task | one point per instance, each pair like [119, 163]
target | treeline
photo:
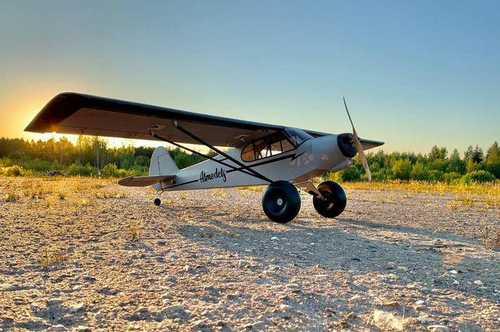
[436, 166]
[91, 156]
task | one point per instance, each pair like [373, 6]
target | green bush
[80, 170]
[112, 171]
[451, 177]
[435, 175]
[419, 172]
[40, 166]
[480, 176]
[402, 169]
[14, 170]
[351, 174]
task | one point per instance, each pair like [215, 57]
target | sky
[415, 73]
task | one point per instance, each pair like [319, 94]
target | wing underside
[80, 114]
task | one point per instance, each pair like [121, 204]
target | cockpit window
[297, 136]
[266, 147]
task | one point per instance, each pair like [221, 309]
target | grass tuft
[11, 197]
[135, 230]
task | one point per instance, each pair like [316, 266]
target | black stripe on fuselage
[180, 184]
[291, 156]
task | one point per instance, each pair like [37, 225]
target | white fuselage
[312, 158]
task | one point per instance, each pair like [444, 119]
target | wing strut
[244, 169]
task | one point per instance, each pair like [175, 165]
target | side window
[287, 146]
[265, 148]
[248, 153]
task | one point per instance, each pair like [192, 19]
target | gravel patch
[211, 261]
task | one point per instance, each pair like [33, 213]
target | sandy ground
[87, 255]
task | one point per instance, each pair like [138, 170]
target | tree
[455, 163]
[402, 169]
[438, 153]
[492, 161]
[477, 155]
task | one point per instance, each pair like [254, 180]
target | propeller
[358, 145]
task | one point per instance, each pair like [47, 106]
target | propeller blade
[357, 143]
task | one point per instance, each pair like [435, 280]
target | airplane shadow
[302, 245]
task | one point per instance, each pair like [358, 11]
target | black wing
[80, 114]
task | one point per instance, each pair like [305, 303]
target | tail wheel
[333, 202]
[281, 202]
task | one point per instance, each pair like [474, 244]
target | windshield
[297, 136]
[266, 147]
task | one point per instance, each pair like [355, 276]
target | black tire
[335, 199]
[157, 201]
[281, 202]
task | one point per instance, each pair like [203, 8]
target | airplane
[283, 158]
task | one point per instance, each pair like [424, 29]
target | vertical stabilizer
[161, 163]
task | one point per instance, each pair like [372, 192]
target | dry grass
[70, 189]
[11, 197]
[490, 189]
[135, 230]
[387, 321]
[51, 256]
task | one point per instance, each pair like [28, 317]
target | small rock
[284, 307]
[424, 319]
[294, 288]
[257, 326]
[392, 276]
[161, 242]
[419, 302]
[438, 328]
[76, 307]
[57, 328]
[478, 282]
[453, 271]
[274, 238]
[107, 291]
[391, 304]
[83, 328]
[177, 311]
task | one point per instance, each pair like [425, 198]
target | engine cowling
[346, 145]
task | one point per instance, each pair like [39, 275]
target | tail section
[162, 170]
[161, 163]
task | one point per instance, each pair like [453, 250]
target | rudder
[162, 163]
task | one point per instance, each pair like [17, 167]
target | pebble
[478, 282]
[438, 328]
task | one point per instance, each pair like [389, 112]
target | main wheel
[333, 201]
[157, 201]
[281, 202]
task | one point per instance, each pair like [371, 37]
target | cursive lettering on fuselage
[218, 173]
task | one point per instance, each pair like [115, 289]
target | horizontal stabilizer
[144, 181]
[369, 144]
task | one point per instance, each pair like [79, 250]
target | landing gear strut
[157, 201]
[332, 201]
[281, 202]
